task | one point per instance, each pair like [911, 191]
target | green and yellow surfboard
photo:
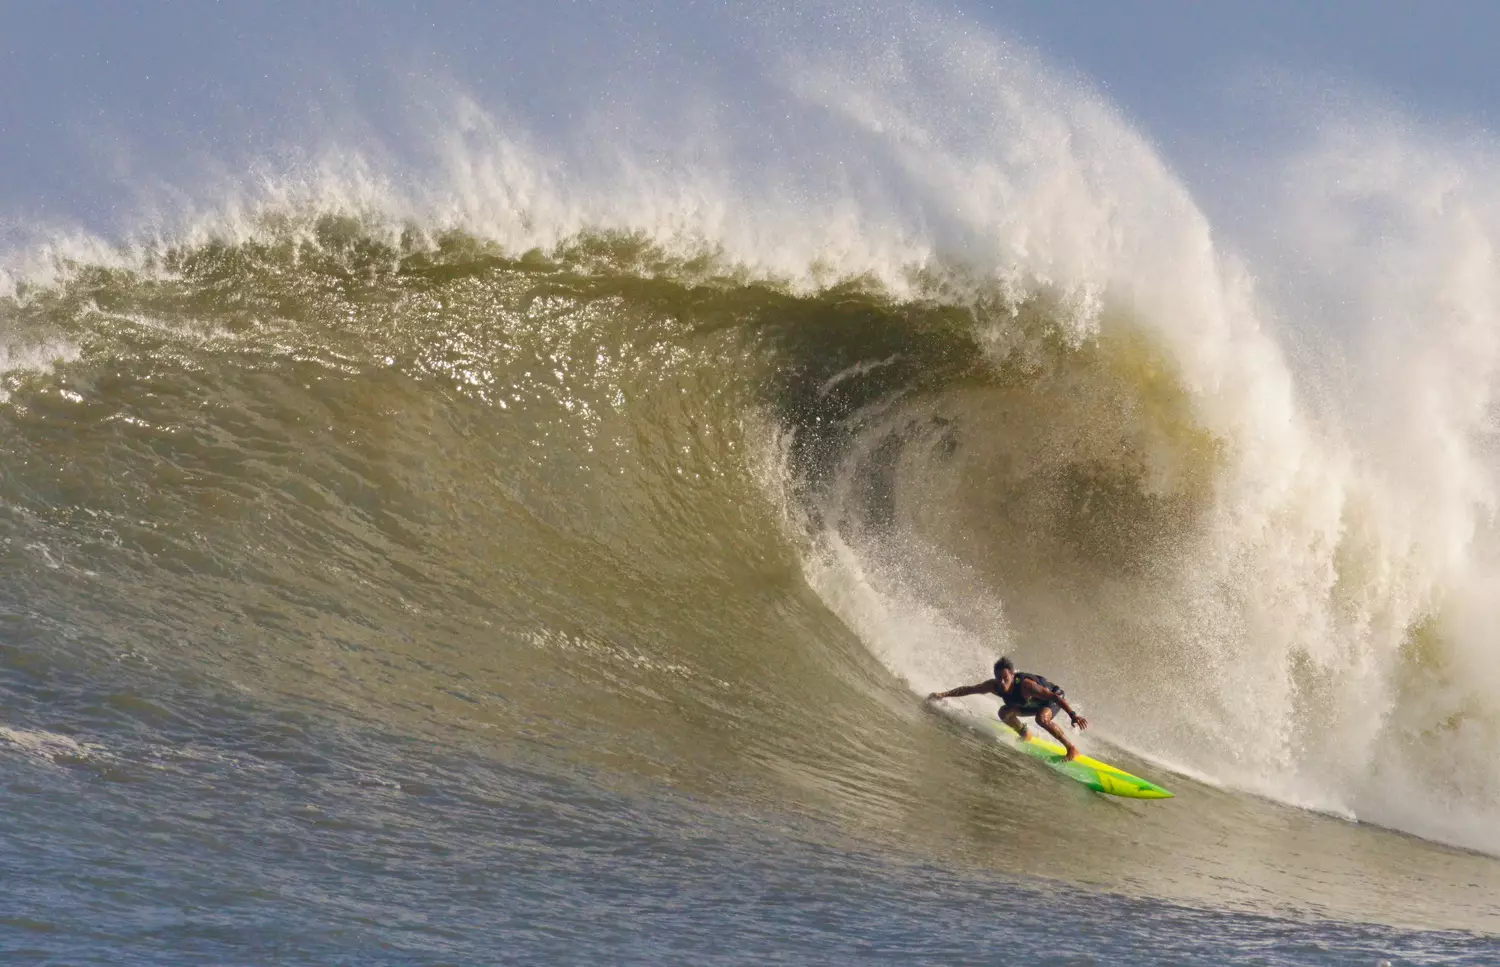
[1099, 776]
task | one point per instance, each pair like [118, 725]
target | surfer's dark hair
[1004, 665]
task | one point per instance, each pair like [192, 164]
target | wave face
[699, 459]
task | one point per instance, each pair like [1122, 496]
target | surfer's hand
[1080, 723]
[933, 697]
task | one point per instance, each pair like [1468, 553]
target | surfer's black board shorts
[1057, 710]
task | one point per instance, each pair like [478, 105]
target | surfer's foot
[1072, 753]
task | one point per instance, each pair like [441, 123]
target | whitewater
[527, 531]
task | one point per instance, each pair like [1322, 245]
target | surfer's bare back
[1023, 694]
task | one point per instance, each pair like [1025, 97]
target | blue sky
[95, 93]
[1163, 60]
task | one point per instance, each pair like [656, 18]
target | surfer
[1023, 694]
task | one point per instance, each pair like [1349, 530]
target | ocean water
[534, 547]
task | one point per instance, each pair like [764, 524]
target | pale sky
[94, 93]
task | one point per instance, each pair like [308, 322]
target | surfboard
[1098, 776]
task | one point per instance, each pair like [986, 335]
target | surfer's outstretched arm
[983, 688]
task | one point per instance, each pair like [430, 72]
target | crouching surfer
[1024, 694]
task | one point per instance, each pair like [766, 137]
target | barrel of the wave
[1099, 776]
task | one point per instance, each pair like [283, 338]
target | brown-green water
[379, 599]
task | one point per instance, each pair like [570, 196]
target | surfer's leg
[1009, 717]
[1044, 719]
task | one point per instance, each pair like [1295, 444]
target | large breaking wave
[1000, 381]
